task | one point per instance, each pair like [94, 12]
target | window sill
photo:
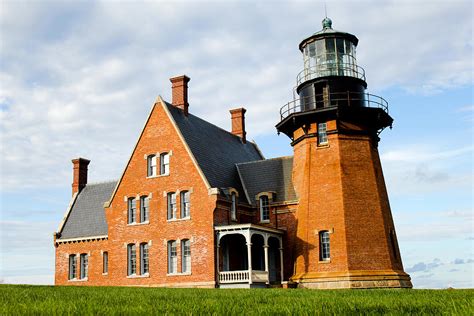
[179, 219]
[138, 276]
[178, 274]
[138, 224]
[267, 221]
[322, 146]
[324, 261]
[105, 274]
[79, 280]
[158, 176]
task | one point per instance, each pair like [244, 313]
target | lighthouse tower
[345, 235]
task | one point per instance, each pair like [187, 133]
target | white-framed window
[105, 262]
[324, 250]
[233, 206]
[171, 197]
[151, 165]
[164, 163]
[185, 256]
[322, 134]
[172, 257]
[144, 263]
[185, 204]
[131, 259]
[72, 267]
[84, 265]
[144, 209]
[132, 210]
[264, 208]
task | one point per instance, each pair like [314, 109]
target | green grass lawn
[29, 299]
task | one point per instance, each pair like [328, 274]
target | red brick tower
[345, 234]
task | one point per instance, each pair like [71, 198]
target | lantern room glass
[330, 57]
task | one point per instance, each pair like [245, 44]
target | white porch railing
[242, 276]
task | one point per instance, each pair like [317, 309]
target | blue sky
[78, 79]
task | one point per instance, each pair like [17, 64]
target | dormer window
[264, 208]
[164, 164]
[233, 206]
[151, 166]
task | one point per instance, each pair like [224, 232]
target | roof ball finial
[327, 23]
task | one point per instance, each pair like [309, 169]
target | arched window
[185, 204]
[185, 256]
[264, 209]
[144, 263]
[324, 250]
[131, 259]
[233, 207]
[172, 257]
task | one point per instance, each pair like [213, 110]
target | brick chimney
[79, 179]
[179, 88]
[238, 123]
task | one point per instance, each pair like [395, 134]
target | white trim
[82, 238]
[180, 135]
[68, 211]
[248, 226]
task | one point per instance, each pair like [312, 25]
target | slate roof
[217, 151]
[268, 175]
[87, 216]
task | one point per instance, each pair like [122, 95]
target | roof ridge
[102, 182]
[214, 125]
[264, 160]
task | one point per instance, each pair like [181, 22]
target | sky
[78, 78]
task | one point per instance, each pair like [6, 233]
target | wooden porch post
[249, 258]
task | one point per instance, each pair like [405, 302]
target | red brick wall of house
[158, 136]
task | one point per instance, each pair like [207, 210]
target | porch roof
[240, 227]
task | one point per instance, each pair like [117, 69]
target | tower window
[324, 254]
[131, 259]
[164, 164]
[233, 207]
[72, 267]
[172, 257]
[151, 165]
[185, 204]
[84, 265]
[144, 209]
[322, 134]
[171, 205]
[132, 210]
[144, 264]
[264, 209]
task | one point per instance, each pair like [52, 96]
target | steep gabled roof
[268, 175]
[216, 151]
[87, 216]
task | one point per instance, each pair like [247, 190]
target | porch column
[265, 250]
[249, 258]
[217, 258]
[281, 262]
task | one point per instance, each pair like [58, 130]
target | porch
[249, 255]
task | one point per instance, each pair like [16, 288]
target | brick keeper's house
[199, 206]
